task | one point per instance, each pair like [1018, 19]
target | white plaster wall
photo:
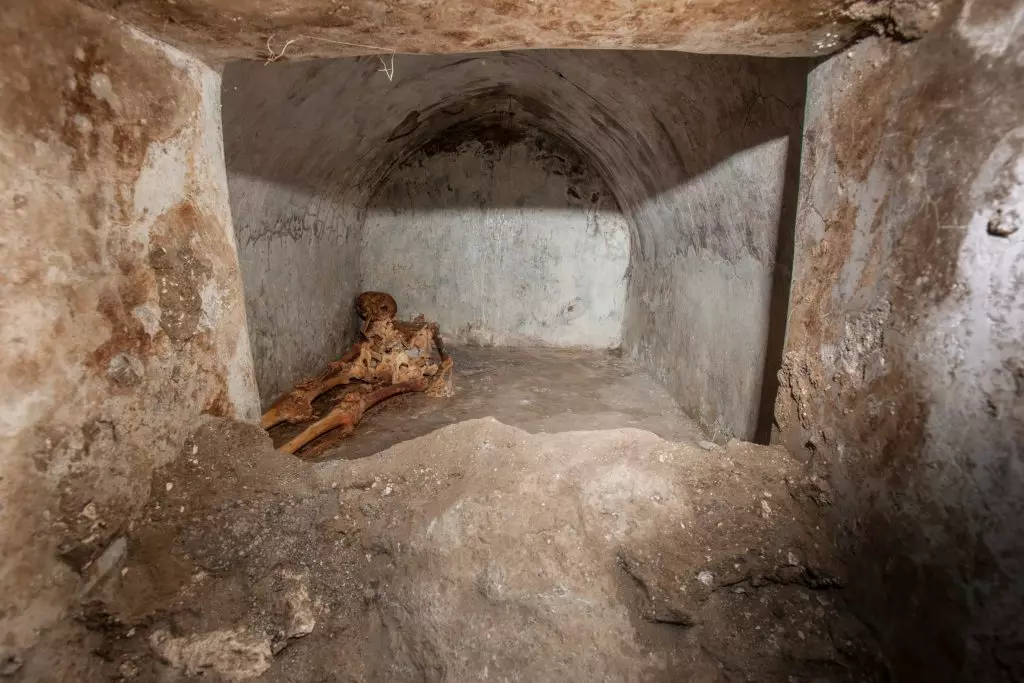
[502, 245]
[300, 265]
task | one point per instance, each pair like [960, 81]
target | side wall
[121, 315]
[299, 250]
[904, 367]
[707, 300]
[502, 241]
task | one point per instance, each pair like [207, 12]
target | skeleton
[395, 357]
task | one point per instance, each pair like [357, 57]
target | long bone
[350, 411]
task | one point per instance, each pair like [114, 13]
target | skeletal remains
[394, 357]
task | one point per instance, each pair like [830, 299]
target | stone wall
[222, 30]
[121, 313]
[903, 375]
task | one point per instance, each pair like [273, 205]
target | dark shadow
[782, 279]
[309, 124]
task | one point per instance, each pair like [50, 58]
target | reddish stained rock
[239, 29]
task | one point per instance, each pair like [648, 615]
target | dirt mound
[478, 552]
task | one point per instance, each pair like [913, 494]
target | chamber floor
[539, 390]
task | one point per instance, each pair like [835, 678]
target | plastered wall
[504, 238]
[300, 247]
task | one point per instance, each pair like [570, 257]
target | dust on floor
[477, 552]
[539, 390]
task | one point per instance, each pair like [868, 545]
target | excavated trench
[699, 425]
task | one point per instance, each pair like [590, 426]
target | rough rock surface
[231, 655]
[226, 29]
[903, 374]
[121, 311]
[477, 551]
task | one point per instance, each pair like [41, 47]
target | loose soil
[476, 552]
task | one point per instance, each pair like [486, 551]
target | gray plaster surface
[507, 245]
[300, 256]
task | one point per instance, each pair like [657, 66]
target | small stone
[233, 655]
[792, 559]
[10, 664]
[301, 619]
[128, 669]
[168, 486]
[707, 445]
[999, 226]
[110, 560]
[789, 574]
[766, 509]
[125, 370]
[706, 578]
[668, 614]
[195, 449]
